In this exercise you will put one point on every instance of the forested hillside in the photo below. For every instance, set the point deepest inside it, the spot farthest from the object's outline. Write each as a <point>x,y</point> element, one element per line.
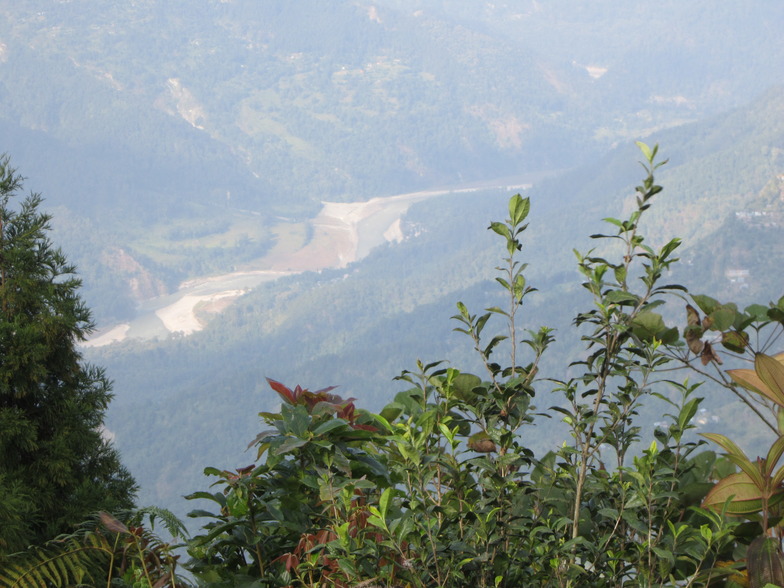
<point>153,128</point>
<point>176,141</point>
<point>304,329</point>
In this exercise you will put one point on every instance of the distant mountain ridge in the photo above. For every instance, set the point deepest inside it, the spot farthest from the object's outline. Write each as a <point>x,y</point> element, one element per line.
<point>348,102</point>
<point>361,100</point>
<point>154,118</point>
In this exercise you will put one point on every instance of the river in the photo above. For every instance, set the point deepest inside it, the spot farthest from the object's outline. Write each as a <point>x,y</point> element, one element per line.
<point>343,232</point>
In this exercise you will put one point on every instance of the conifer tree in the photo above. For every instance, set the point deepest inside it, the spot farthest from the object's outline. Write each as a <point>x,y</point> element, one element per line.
<point>56,467</point>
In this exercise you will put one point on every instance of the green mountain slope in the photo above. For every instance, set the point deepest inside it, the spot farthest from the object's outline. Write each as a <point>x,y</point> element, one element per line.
<point>359,327</point>
<point>348,101</point>
<point>153,127</point>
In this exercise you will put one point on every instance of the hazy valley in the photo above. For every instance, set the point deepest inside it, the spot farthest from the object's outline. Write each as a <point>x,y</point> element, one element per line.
<point>188,155</point>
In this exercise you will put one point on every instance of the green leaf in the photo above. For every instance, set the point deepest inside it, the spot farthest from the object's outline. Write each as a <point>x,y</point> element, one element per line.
<point>276,513</point>
<point>647,325</point>
<point>687,412</point>
<point>237,505</point>
<point>392,410</point>
<point>503,283</point>
<point>297,420</point>
<point>290,444</point>
<point>493,342</point>
<point>668,336</point>
<point>706,533</point>
<point>376,520</point>
<point>409,453</point>
<point>667,250</point>
<point>771,372</point>
<point>463,310</point>
<point>218,497</point>
<point>372,465</point>
<point>723,318</point>
<point>380,419</point>
<point>735,341</point>
<point>463,386</point>
<point>646,151</point>
<point>411,400</point>
<point>758,312</point>
<point>706,303</point>
<point>737,456</point>
<point>620,297</point>
<point>383,502</point>
<point>776,314</point>
<point>199,513</point>
<point>518,209</point>
<point>328,426</point>
<point>519,286</point>
<point>501,229</point>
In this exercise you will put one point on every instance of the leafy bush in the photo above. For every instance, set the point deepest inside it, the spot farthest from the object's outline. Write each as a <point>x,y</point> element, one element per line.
<point>440,487</point>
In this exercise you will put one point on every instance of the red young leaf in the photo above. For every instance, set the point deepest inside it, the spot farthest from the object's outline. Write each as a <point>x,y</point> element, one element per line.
<point>284,391</point>
<point>304,396</point>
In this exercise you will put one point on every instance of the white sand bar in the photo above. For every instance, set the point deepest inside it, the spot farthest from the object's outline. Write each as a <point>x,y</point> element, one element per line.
<point>181,316</point>
<point>115,334</point>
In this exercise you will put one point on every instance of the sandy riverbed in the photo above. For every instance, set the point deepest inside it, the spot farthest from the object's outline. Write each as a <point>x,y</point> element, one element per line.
<point>343,233</point>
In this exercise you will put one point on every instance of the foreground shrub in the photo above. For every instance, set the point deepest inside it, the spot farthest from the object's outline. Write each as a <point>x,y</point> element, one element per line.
<point>440,489</point>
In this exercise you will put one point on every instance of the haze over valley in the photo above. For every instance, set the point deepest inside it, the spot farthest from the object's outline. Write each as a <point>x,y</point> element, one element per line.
<point>302,192</point>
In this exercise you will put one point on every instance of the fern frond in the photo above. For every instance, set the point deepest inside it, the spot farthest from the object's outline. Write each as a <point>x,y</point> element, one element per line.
<point>62,562</point>
<point>102,548</point>
<point>173,525</point>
